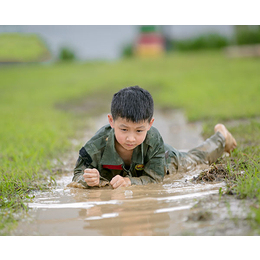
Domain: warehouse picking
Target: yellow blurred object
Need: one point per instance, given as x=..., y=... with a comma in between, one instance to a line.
x=151, y=50
x=149, y=44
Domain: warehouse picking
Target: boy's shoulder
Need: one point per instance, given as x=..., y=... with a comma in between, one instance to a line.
x=99, y=140
x=104, y=130
x=153, y=137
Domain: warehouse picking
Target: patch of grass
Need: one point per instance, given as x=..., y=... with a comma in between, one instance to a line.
x=244, y=165
x=35, y=130
x=15, y=47
x=32, y=131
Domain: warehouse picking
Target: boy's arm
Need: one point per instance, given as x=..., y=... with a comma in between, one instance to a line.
x=154, y=169
x=79, y=171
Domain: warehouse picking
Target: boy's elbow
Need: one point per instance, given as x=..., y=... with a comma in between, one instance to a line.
x=156, y=177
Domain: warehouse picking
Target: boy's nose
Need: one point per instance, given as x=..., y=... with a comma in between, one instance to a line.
x=130, y=138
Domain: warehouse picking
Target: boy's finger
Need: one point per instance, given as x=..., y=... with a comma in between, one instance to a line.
x=114, y=185
x=114, y=180
x=92, y=183
x=117, y=183
x=90, y=175
x=91, y=179
x=90, y=170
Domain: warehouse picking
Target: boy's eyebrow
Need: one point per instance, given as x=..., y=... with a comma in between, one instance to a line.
x=125, y=126
x=122, y=125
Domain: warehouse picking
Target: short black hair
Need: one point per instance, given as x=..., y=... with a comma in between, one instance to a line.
x=132, y=103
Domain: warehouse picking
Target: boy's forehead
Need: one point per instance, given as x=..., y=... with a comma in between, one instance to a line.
x=124, y=121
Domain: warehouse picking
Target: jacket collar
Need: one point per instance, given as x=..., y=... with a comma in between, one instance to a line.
x=111, y=157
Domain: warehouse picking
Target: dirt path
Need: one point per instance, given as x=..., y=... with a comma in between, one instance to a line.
x=175, y=207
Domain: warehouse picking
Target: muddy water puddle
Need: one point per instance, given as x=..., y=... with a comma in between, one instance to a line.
x=175, y=207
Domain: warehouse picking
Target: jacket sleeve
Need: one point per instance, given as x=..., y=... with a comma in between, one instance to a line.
x=79, y=171
x=154, y=169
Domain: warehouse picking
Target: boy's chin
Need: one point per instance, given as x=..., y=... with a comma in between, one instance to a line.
x=129, y=147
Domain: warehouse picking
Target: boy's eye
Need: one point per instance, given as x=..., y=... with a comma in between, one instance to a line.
x=123, y=129
x=140, y=131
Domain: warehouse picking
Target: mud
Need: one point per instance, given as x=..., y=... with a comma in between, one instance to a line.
x=184, y=204
x=214, y=173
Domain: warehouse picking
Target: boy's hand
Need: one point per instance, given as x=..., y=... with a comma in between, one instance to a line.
x=91, y=177
x=119, y=181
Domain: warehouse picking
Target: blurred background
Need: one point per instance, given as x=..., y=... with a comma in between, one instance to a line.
x=91, y=42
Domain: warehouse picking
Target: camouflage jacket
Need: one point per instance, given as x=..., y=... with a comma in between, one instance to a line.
x=148, y=160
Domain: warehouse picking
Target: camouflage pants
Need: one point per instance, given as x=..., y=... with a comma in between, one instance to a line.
x=206, y=153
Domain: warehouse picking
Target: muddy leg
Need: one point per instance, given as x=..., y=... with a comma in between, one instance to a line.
x=211, y=149
x=230, y=142
x=206, y=153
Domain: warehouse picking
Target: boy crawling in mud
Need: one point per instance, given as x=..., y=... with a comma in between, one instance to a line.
x=130, y=151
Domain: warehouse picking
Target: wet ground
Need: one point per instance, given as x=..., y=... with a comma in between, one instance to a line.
x=178, y=206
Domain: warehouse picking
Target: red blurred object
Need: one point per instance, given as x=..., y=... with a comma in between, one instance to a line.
x=150, y=38
x=149, y=44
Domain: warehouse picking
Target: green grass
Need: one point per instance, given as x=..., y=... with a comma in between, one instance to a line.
x=244, y=165
x=247, y=160
x=33, y=131
x=16, y=47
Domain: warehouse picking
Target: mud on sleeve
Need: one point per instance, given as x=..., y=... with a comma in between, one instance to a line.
x=79, y=171
x=83, y=162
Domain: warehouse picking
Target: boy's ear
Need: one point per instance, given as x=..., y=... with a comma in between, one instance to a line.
x=151, y=123
x=110, y=120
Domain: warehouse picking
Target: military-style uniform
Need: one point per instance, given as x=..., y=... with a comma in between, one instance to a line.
x=151, y=160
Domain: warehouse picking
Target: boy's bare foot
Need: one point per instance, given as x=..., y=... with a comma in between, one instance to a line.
x=230, y=140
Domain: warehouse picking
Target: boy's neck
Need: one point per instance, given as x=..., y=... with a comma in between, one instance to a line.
x=126, y=155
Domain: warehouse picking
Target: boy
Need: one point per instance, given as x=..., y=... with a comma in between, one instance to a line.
x=130, y=151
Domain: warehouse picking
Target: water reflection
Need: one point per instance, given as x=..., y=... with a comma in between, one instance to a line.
x=127, y=217
x=119, y=215
x=154, y=209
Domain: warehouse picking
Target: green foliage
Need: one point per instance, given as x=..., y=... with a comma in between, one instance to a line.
x=208, y=41
x=66, y=55
x=248, y=35
x=16, y=47
x=127, y=51
x=256, y=216
x=149, y=28
x=248, y=185
x=247, y=160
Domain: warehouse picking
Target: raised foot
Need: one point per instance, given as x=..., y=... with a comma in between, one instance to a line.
x=230, y=143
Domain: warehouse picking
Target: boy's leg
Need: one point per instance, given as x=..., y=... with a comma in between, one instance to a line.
x=206, y=153
x=230, y=142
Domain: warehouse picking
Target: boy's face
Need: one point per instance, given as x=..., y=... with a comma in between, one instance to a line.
x=129, y=134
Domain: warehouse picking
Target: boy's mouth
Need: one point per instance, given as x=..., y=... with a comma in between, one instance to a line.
x=130, y=145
